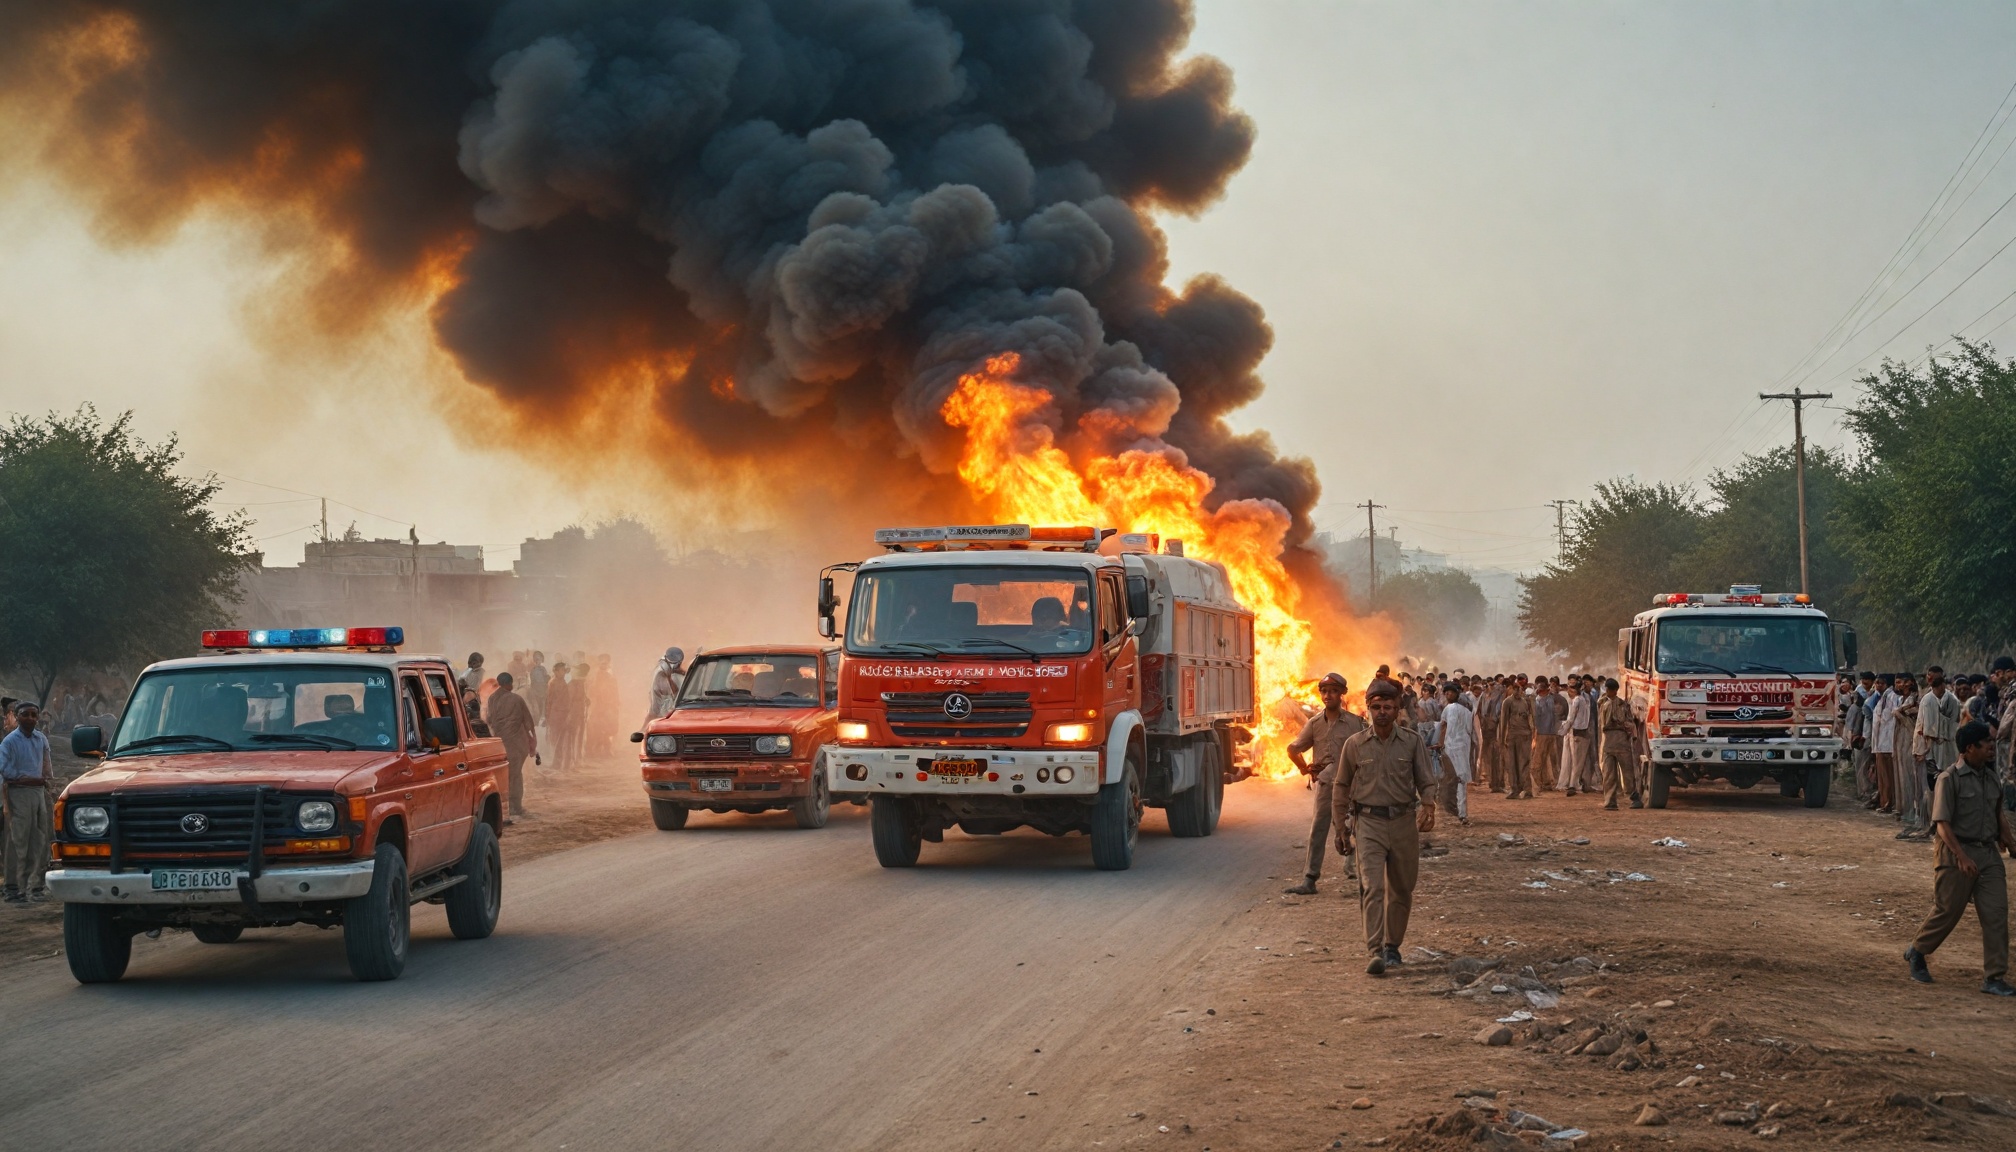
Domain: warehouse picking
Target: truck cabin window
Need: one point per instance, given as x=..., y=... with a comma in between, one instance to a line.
x=971, y=610
x=258, y=707
x=782, y=681
x=1747, y=645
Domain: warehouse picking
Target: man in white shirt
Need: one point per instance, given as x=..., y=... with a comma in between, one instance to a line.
x=1455, y=740
x=1883, y=743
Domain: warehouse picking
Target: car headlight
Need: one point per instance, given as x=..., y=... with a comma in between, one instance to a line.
x=852, y=730
x=1068, y=733
x=90, y=821
x=315, y=816
x=773, y=745
x=661, y=745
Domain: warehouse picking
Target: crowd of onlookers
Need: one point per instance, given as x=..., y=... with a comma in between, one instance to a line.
x=1902, y=727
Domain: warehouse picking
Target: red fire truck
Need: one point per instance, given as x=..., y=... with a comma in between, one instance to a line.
x=1736, y=687
x=999, y=676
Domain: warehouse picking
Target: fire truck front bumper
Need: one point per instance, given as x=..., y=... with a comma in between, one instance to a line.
x=1772, y=754
x=961, y=771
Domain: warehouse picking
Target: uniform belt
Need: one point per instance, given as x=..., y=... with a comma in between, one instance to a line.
x=27, y=783
x=1382, y=811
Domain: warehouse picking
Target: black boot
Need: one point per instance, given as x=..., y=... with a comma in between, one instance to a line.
x=1996, y=986
x=1919, y=972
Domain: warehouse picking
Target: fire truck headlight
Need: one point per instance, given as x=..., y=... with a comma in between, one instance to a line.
x=1812, y=731
x=90, y=821
x=661, y=745
x=1071, y=733
x=1064, y=774
x=857, y=772
x=855, y=730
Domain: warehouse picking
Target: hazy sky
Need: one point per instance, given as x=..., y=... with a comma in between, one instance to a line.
x=1509, y=250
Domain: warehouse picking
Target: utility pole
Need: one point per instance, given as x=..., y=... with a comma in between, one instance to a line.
x=1371, y=552
x=1561, y=524
x=325, y=519
x=1798, y=400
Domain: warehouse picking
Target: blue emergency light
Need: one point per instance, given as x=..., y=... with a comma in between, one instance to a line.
x=305, y=638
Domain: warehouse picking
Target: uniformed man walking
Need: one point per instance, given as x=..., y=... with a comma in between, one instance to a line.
x=1515, y=741
x=1382, y=779
x=1314, y=752
x=1620, y=748
x=1972, y=832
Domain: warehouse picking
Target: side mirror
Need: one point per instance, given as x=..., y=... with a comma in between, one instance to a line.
x=636, y=737
x=87, y=740
x=1138, y=604
x=1845, y=653
x=441, y=731
x=829, y=603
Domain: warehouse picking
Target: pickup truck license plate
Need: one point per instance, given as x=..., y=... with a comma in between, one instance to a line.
x=1743, y=754
x=194, y=880
x=717, y=784
x=955, y=767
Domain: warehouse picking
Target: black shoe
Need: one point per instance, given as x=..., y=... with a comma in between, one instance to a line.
x=1306, y=888
x=1393, y=957
x=1919, y=972
x=1637, y=803
x=1378, y=965
x=1997, y=987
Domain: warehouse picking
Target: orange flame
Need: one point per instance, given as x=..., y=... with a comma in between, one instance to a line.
x=1013, y=466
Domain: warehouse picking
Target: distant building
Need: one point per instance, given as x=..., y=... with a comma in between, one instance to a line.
x=392, y=557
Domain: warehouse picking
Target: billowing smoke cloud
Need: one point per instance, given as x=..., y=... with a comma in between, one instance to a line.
x=799, y=220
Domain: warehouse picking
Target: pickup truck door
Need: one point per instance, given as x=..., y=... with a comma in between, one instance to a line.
x=449, y=801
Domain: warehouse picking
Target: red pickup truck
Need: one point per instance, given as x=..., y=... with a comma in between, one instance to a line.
x=311, y=776
x=748, y=733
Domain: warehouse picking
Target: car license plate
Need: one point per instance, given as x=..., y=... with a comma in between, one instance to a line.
x=717, y=784
x=956, y=767
x=1743, y=754
x=194, y=880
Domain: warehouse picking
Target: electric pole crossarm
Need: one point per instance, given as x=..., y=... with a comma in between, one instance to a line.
x=1798, y=400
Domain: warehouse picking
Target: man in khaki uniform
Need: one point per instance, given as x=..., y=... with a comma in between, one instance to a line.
x=511, y=720
x=1972, y=832
x=1487, y=725
x=1314, y=752
x=1515, y=741
x=1382, y=777
x=1620, y=748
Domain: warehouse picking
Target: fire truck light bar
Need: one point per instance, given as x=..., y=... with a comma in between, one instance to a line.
x=304, y=638
x=1738, y=597
x=958, y=532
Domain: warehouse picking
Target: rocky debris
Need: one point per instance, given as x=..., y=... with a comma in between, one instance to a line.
x=1669, y=842
x=1362, y=1103
x=1767, y=1131
x=1905, y=1100
x=1970, y=1102
x=1509, y=840
x=1494, y=1036
x=1688, y=1082
x=1468, y=968
x=1480, y=1103
x=1650, y=1117
x=1747, y=1114
x=1486, y=1093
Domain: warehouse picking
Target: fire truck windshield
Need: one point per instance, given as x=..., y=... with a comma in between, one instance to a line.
x=244, y=707
x=971, y=610
x=1735, y=644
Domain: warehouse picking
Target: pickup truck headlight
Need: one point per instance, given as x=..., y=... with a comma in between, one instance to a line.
x=856, y=730
x=1068, y=733
x=315, y=816
x=661, y=745
x=90, y=821
x=773, y=745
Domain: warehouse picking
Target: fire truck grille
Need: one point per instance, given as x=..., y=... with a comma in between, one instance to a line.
x=993, y=715
x=1754, y=714
x=196, y=824
x=1749, y=733
x=721, y=747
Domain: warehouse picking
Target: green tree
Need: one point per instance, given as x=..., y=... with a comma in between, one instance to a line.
x=1751, y=532
x=1434, y=607
x=106, y=555
x=1930, y=522
x=1629, y=544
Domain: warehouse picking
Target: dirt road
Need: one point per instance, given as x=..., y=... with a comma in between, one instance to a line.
x=747, y=985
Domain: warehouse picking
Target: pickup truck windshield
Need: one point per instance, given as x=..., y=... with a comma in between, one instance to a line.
x=1749, y=645
x=782, y=681
x=971, y=610
x=249, y=706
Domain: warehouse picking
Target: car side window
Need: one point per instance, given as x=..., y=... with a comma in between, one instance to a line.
x=413, y=705
x=446, y=699
x=830, y=682
x=1111, y=619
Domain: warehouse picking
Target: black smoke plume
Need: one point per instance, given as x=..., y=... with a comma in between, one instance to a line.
x=798, y=221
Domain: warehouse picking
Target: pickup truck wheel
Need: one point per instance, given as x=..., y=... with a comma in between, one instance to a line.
x=217, y=933
x=1195, y=810
x=473, y=905
x=1116, y=819
x=377, y=925
x=1662, y=779
x=669, y=817
x=97, y=947
x=898, y=839
x=811, y=810
x=1818, y=779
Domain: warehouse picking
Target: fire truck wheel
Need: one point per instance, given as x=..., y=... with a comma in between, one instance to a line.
x=897, y=836
x=1116, y=819
x=810, y=811
x=217, y=933
x=1194, y=812
x=376, y=925
x=1817, y=782
x=1662, y=779
x=97, y=946
x=474, y=904
x=667, y=816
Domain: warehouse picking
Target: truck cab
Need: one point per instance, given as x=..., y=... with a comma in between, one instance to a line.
x=747, y=734
x=286, y=776
x=1737, y=687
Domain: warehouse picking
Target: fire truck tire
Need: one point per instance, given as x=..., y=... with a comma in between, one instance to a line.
x=474, y=905
x=898, y=838
x=1116, y=819
x=97, y=946
x=667, y=816
x=217, y=933
x=1817, y=782
x=811, y=810
x=1194, y=812
x=1662, y=780
x=378, y=924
